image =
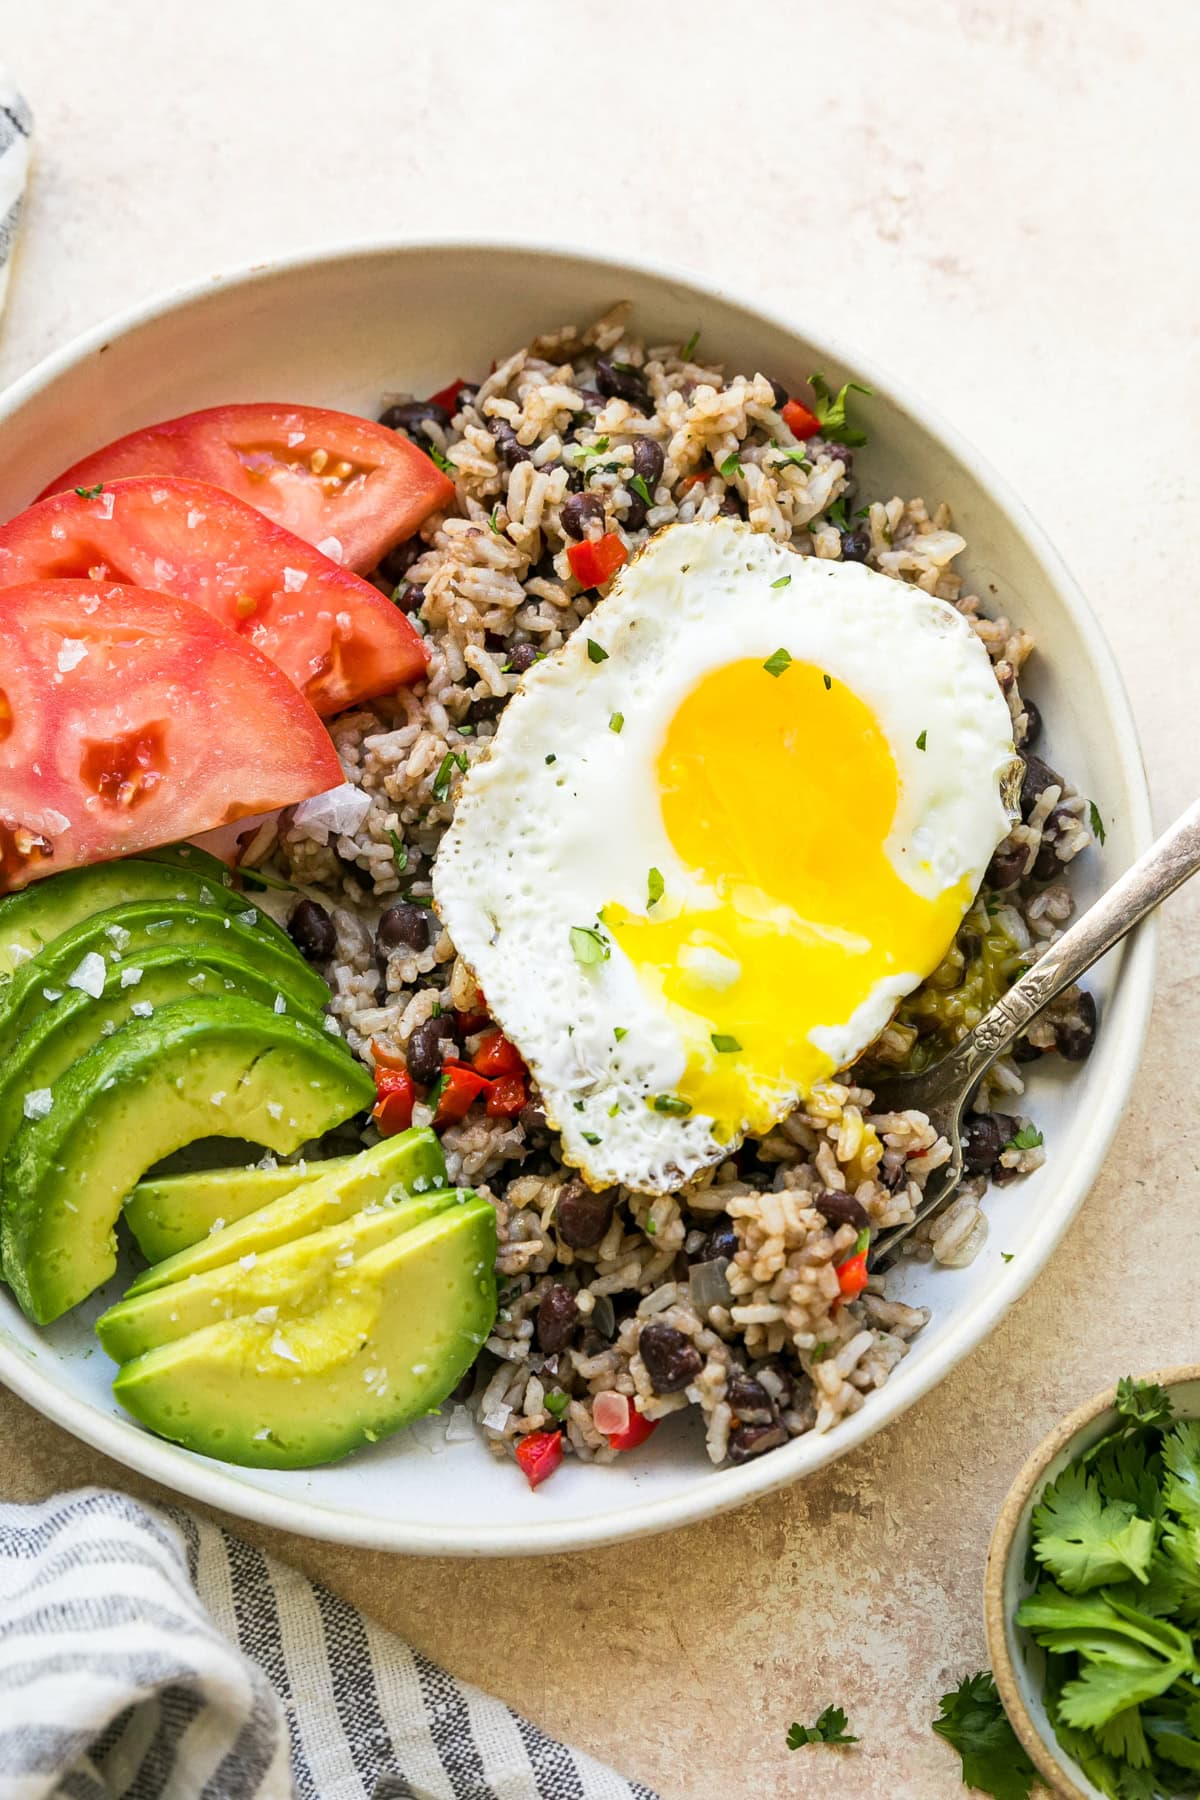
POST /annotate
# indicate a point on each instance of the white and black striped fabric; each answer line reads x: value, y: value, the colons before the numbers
x: 150, y: 1655
x: 16, y: 127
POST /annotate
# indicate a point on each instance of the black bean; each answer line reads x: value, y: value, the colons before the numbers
x: 856, y: 545
x: 1046, y: 864
x: 635, y: 513
x: 721, y: 1241
x: 400, y: 559
x: 844, y: 455
x: 411, y: 416
x: 786, y: 1393
x: 532, y: 1119
x: 618, y: 381
x: 1076, y: 1037
x: 754, y: 1440
x: 733, y: 506
x: 520, y: 658
x: 466, y: 395
x: 841, y: 1209
x: 1023, y: 1051
x: 1033, y: 723
x: 557, y: 1317
x: 427, y: 1048
x: 511, y: 452
x: 750, y: 1401
x: 411, y: 599
x: 1007, y: 866
x: 1037, y: 778
x: 969, y: 942
x: 672, y: 1360
x: 779, y: 392
x: 488, y: 706
x: 404, y: 924
x: 582, y: 1216
x: 648, y: 461
x: 580, y: 511
x: 984, y: 1137
x: 311, y: 930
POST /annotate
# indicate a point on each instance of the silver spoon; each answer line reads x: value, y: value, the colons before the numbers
x: 942, y: 1092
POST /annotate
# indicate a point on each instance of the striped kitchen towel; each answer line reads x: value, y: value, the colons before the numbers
x: 149, y: 1655
x: 16, y: 126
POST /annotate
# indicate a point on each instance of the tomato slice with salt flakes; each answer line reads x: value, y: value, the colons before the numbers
x: 347, y: 485
x: 130, y: 720
x: 330, y: 631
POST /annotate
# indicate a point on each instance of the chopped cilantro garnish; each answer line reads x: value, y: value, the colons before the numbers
x: 685, y: 355
x: 1028, y: 1138
x: 460, y: 757
x: 775, y: 665
x: 655, y: 887
x: 830, y: 1728
x: 723, y: 1042
x: 596, y: 652
x: 921, y: 741
x: 730, y: 467
x: 819, y: 1352
x: 557, y: 1402
x: 616, y: 721
x: 651, y: 1228
x: 399, y: 853
x: 1097, y: 823
x: 835, y: 512
x: 1006, y: 1256
x: 828, y: 680
x: 638, y: 484
x: 671, y: 1103
x: 465, y: 730
x: 973, y: 1720
x: 784, y: 581
x: 590, y: 1137
x: 550, y: 757
x: 441, y: 781
x: 614, y: 1109
x: 492, y: 518
x: 794, y: 454
x: 620, y: 1031
x: 443, y: 462
x: 589, y: 946
x: 830, y: 409
x: 92, y: 493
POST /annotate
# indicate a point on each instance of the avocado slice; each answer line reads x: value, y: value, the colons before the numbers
x: 168, y: 1213
x: 67, y: 1029
x: 43, y: 911
x: 409, y: 1163
x: 293, y: 1276
x: 190, y: 856
x: 125, y: 936
x: 154, y: 1086
x: 393, y: 1335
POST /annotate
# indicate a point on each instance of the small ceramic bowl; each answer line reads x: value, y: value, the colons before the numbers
x: 1017, y: 1662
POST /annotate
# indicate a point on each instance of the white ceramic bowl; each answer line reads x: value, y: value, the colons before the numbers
x: 339, y: 329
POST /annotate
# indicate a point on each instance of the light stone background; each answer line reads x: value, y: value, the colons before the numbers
x: 997, y: 199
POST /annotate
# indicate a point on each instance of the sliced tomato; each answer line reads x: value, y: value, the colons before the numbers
x: 330, y: 632
x: 347, y: 485
x: 130, y: 719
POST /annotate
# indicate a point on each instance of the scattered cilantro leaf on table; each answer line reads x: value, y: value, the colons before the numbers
x: 830, y: 1728
x: 974, y: 1721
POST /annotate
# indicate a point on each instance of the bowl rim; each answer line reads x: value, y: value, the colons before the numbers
x: 1003, y: 1546
x: 714, y: 1491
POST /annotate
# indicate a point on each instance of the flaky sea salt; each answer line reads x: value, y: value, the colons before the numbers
x: 38, y: 1102
x: 332, y: 548
x: 71, y: 653
x: 283, y: 1349
x: 294, y: 580
x: 130, y: 977
x: 89, y: 976
x: 142, y: 1009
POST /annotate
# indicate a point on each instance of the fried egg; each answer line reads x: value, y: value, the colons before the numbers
x: 718, y: 835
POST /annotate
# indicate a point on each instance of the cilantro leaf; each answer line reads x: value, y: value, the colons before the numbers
x: 638, y: 485
x: 590, y: 1137
x: 616, y: 722
x: 1181, y: 1455
x: 784, y: 581
x: 685, y: 355
x: 835, y: 512
x: 730, y: 467
x: 1083, y: 1541
x: 793, y: 455
x: 655, y: 888
x: 671, y: 1103
x: 1097, y: 823
x: 492, y: 519
x: 1143, y: 1402
x: 830, y: 1728
x: 399, y: 853
x: 921, y: 741
x: 557, y: 1402
x: 443, y: 462
x: 830, y: 409
x: 776, y: 664
x: 92, y: 493
x: 973, y: 1720
x: 1028, y: 1138
x: 589, y: 946
x: 596, y: 652
x: 620, y: 1031
x: 441, y: 781
x: 724, y: 1043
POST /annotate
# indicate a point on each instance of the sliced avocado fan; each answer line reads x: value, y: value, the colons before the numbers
x: 411, y: 1163
x: 168, y: 1213
x: 293, y: 1277
x: 197, y: 1068
x: 390, y: 1337
x: 42, y: 912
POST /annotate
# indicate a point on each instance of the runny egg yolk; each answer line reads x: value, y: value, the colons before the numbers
x: 778, y: 795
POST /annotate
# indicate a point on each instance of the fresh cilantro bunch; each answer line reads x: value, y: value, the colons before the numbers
x: 1117, y: 1606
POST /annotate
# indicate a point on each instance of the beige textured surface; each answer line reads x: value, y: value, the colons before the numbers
x: 998, y: 201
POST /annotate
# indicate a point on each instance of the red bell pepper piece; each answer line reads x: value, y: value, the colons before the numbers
x: 397, y: 1094
x: 691, y: 481
x: 636, y: 1432
x: 384, y: 1058
x: 539, y: 1455
x: 507, y: 1097
x: 592, y: 564
x: 497, y: 1056
x: 455, y: 1093
x: 801, y: 422
x: 852, y: 1274
x: 447, y: 397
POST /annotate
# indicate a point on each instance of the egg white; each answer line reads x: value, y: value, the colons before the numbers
x: 563, y: 816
